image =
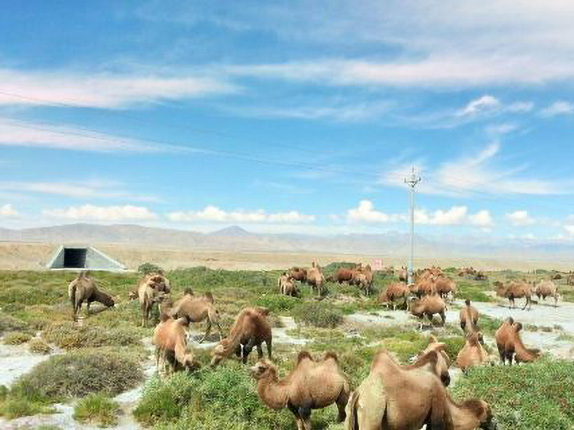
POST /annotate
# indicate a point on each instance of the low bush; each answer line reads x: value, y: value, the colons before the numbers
x: 79, y: 373
x: 38, y: 346
x: 277, y: 303
x: 539, y: 395
x: 17, y: 338
x: 318, y: 314
x: 97, y: 409
x: 146, y: 268
x: 15, y: 407
x: 68, y: 335
x: 10, y: 323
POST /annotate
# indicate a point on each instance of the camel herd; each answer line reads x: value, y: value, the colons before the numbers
x: 392, y: 396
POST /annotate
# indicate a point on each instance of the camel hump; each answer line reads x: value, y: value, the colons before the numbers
x: 304, y: 355
x: 432, y: 339
x: 164, y: 317
x: 209, y: 296
x: 262, y: 311
x: 467, y: 302
x: 330, y: 355
x: 188, y: 292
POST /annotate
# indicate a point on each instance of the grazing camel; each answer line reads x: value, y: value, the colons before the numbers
x: 428, y: 306
x: 444, y: 286
x: 396, y: 398
x: 170, y: 340
x: 468, y: 318
x: 361, y: 281
x: 547, y: 289
x: 343, y: 275
x: 510, y: 345
x: 516, y: 290
x: 443, y: 360
x: 316, y: 279
x: 473, y: 352
x: 152, y: 290
x: 287, y: 286
x: 197, y: 309
x: 83, y: 289
x: 311, y: 385
x: 298, y: 274
x: 394, y: 291
x: 250, y: 329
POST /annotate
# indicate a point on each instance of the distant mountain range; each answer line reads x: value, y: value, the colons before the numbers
x: 235, y: 238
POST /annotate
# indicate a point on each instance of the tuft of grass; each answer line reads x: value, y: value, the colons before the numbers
x: 68, y: 335
x: 539, y: 395
x: 16, y: 407
x: 318, y: 314
x: 97, y: 409
x: 38, y: 346
x: 10, y: 323
x: 17, y: 338
x: 79, y: 373
x: 278, y: 303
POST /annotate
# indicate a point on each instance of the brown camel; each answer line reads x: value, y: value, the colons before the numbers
x: 298, y: 273
x: 547, y: 289
x: 343, y: 275
x: 403, y: 274
x: 287, y: 286
x: 316, y: 279
x: 444, y: 286
x: 197, y: 309
x: 83, y: 289
x: 170, y: 340
x: 480, y: 276
x: 250, y: 329
x: 428, y: 306
x: 473, y: 352
x: 311, y: 385
x: 396, y: 398
x: 468, y: 318
x: 443, y: 361
x: 516, y: 290
x: 153, y: 289
x: 395, y: 291
x: 510, y: 345
x: 361, y: 281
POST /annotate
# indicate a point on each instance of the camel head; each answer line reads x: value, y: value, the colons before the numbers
x: 107, y: 300
x: 133, y: 295
x: 263, y: 369
x: 483, y: 413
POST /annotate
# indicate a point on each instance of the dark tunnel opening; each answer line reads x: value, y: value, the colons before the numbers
x: 75, y: 258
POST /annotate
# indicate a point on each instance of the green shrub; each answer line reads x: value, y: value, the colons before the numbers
x: 15, y: 407
x: 79, y: 373
x: 318, y: 314
x: 97, y: 409
x: 68, y: 335
x: 539, y: 395
x: 277, y: 303
x: 38, y: 346
x: 146, y: 268
x: 16, y: 338
x: 10, y: 323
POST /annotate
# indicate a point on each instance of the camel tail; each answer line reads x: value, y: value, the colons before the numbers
x: 352, y: 420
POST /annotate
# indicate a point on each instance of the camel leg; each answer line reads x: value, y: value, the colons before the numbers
x: 305, y: 414
x: 206, y: 331
x: 259, y: 352
x: 268, y: 343
x: 247, y: 350
x: 342, y: 401
x: 88, y: 308
x: 443, y: 317
x: 298, y: 420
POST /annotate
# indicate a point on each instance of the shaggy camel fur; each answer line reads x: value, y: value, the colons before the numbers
x: 298, y: 273
x: 170, y: 340
x: 473, y: 352
x: 468, y: 318
x: 287, y: 286
x: 250, y: 329
x: 83, y: 289
x: 395, y: 291
x: 316, y: 279
x: 444, y: 286
x: 197, y: 309
x: 443, y: 360
x: 516, y: 290
x: 397, y: 398
x: 428, y: 306
x: 153, y: 289
x: 343, y: 275
x: 311, y: 385
x: 547, y: 289
x: 423, y: 287
x: 510, y: 345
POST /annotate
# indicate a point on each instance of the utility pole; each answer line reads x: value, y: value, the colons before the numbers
x: 412, y: 180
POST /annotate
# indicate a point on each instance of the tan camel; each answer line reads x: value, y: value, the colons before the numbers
x: 298, y: 273
x: 473, y: 352
x: 445, y: 286
x: 395, y: 291
x: 443, y: 360
x: 153, y: 289
x: 316, y: 279
x: 428, y: 306
x: 170, y: 340
x: 403, y: 275
x: 250, y: 329
x: 287, y: 286
x: 196, y: 309
x: 395, y: 398
x: 516, y: 290
x: 83, y: 289
x: 510, y: 344
x: 468, y: 318
x: 547, y: 289
x: 311, y: 385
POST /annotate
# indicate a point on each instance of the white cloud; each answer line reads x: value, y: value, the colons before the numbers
x: 558, y: 108
x: 215, y: 214
x: 520, y: 107
x: 105, y: 90
x: 482, y: 218
x: 8, y: 210
x: 520, y: 218
x: 366, y: 212
x: 485, y: 103
x: 102, y: 213
x: 569, y: 229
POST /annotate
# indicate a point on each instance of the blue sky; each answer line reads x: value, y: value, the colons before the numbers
x: 289, y: 116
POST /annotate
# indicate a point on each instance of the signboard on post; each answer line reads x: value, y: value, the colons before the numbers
x: 377, y: 264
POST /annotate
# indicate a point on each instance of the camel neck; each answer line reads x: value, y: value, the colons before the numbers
x: 272, y: 392
x: 462, y: 417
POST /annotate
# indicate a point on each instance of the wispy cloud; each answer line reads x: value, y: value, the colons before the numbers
x: 214, y: 214
x: 520, y: 218
x: 560, y: 107
x: 482, y: 104
x: 105, y: 90
x: 8, y: 211
x: 102, y: 213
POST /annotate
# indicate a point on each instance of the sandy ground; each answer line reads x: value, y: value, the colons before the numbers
x: 34, y: 256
